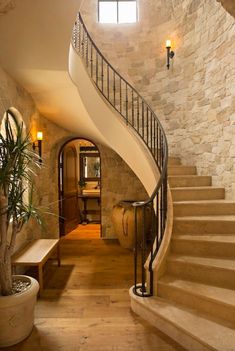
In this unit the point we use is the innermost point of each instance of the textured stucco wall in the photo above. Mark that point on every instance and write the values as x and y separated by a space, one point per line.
195 99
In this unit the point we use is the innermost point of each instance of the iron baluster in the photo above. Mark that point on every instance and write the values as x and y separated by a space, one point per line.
102 74
132 109
91 59
143 288
120 92
126 105
138 114
114 89
96 69
145 122
86 49
135 249
108 80
142 105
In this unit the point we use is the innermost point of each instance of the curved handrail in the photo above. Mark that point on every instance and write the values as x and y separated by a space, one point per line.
136 112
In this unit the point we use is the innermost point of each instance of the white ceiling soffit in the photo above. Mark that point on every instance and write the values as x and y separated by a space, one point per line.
34 46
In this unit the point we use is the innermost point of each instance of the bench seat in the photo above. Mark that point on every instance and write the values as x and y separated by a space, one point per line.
37 253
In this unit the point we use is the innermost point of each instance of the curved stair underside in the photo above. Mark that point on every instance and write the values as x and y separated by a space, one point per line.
195 297
132 129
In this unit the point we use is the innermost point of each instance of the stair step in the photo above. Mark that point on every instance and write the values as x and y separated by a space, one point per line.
215 301
194 331
206 207
204 245
189 181
197 193
174 161
204 225
182 170
208 270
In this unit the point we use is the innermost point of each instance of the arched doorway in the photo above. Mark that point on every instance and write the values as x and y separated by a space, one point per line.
79 184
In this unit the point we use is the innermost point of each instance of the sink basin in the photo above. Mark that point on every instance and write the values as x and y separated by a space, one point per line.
91 191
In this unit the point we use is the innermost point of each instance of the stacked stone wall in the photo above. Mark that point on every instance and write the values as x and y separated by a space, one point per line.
195 99
116 174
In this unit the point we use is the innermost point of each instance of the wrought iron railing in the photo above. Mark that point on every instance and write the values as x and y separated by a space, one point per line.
150 215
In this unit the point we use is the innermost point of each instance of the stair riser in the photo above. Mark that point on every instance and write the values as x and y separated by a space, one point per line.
203 209
205 249
174 161
203 227
199 194
182 170
200 273
175 332
189 299
189 181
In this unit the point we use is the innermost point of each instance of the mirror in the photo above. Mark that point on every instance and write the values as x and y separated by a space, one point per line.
90 166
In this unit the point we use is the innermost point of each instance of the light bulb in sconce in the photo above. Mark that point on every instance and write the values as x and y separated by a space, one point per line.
170 54
39 135
38 145
168 43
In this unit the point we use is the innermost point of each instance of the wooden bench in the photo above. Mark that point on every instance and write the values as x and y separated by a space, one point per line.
37 253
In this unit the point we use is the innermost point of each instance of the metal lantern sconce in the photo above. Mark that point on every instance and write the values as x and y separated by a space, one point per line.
170 53
38 145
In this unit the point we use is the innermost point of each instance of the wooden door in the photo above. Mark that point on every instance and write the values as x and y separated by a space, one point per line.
69 210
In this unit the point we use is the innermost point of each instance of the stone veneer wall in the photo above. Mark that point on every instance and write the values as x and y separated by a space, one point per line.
117 176
195 99
13 95
119 182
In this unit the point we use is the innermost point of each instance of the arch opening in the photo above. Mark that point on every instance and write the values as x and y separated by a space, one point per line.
79 186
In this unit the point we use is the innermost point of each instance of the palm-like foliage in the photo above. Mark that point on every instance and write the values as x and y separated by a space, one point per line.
18 164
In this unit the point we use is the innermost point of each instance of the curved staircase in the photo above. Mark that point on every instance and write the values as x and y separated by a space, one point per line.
195 297
192 297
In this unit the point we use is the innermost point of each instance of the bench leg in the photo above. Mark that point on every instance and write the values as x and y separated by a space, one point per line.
58 254
40 277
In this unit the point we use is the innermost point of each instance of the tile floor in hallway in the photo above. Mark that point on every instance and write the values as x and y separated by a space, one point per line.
86 306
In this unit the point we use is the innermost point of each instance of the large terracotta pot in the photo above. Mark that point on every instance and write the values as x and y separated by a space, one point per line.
123 217
17 314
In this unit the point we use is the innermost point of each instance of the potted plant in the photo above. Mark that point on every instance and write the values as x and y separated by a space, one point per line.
17 169
82 183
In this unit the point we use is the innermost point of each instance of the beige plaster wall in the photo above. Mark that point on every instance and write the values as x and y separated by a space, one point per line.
195 99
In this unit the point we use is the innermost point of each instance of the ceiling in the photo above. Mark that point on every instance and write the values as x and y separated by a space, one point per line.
34 46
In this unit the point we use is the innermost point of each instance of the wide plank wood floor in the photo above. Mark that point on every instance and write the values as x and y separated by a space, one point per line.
86 306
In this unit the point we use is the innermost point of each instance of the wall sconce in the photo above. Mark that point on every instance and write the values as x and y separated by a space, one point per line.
38 145
170 53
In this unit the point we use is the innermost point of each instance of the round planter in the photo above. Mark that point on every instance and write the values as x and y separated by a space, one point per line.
123 218
17 313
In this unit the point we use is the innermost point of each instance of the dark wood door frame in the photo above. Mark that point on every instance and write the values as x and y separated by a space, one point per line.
60 182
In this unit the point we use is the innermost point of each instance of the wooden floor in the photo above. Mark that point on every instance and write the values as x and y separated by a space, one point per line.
85 305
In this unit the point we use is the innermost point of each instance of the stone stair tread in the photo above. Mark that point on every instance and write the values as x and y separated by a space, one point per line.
202 202
215 238
210 333
206 218
222 263
181 167
223 295
209 187
189 176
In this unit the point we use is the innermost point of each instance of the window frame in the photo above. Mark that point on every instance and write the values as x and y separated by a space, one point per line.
117 1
